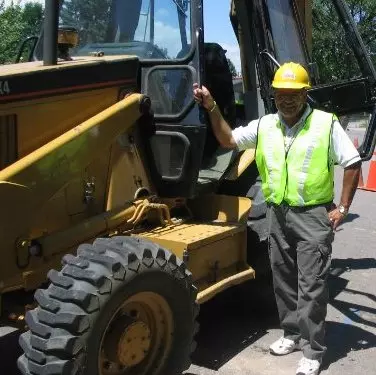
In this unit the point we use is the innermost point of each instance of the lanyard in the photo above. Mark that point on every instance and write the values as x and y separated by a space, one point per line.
308 112
292 139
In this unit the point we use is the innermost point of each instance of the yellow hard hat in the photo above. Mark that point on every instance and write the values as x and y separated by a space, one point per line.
291 76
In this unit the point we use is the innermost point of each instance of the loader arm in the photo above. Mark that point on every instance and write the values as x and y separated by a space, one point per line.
34 179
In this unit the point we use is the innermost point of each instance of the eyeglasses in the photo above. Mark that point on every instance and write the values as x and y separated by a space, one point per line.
283 97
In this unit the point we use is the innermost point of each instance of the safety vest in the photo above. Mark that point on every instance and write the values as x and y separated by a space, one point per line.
302 175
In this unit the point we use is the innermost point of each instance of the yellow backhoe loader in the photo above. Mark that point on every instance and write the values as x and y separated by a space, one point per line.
113 189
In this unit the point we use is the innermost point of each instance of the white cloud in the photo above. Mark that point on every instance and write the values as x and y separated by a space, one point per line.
162 13
233 53
165 36
168 37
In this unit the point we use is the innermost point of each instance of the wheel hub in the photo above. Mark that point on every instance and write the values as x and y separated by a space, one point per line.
134 344
138 337
129 342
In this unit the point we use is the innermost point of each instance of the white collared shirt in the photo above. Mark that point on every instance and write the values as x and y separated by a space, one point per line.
343 151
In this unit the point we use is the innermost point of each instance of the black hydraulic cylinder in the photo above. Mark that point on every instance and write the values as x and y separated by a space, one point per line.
51 26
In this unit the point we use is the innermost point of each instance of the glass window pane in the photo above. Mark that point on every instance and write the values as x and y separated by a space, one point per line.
150 29
356 125
336 61
170 90
285 33
169 154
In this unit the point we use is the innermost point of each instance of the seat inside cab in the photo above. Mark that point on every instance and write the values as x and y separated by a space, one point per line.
218 79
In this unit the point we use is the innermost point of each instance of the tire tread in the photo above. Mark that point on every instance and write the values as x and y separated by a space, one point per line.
54 344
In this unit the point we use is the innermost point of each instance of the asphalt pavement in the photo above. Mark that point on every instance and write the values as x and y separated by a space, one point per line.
237 329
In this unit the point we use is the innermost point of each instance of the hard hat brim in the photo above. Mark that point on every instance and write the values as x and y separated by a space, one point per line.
290 85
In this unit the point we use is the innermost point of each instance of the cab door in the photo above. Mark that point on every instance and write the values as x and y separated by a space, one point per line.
175 150
352 95
186 159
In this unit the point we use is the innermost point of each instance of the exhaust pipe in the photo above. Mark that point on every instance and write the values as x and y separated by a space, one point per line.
51 26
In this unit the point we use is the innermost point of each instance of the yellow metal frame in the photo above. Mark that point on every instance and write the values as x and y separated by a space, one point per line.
213 245
30 182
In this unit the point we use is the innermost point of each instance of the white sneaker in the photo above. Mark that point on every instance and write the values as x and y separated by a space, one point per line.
308 367
283 346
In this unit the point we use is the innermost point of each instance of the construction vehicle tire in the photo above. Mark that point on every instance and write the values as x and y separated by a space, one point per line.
123 305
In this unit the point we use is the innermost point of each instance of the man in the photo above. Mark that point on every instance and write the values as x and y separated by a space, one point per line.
296 150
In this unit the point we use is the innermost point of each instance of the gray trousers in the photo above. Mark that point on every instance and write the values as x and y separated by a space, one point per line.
300 254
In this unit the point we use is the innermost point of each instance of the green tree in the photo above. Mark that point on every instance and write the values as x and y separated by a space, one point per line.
89 17
231 65
32 16
101 21
336 61
16 24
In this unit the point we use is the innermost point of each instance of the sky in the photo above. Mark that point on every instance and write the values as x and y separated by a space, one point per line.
217 25
218 28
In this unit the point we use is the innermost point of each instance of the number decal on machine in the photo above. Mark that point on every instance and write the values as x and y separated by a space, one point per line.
4 88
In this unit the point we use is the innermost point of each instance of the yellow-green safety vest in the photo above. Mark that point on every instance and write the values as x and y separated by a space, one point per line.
302 175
